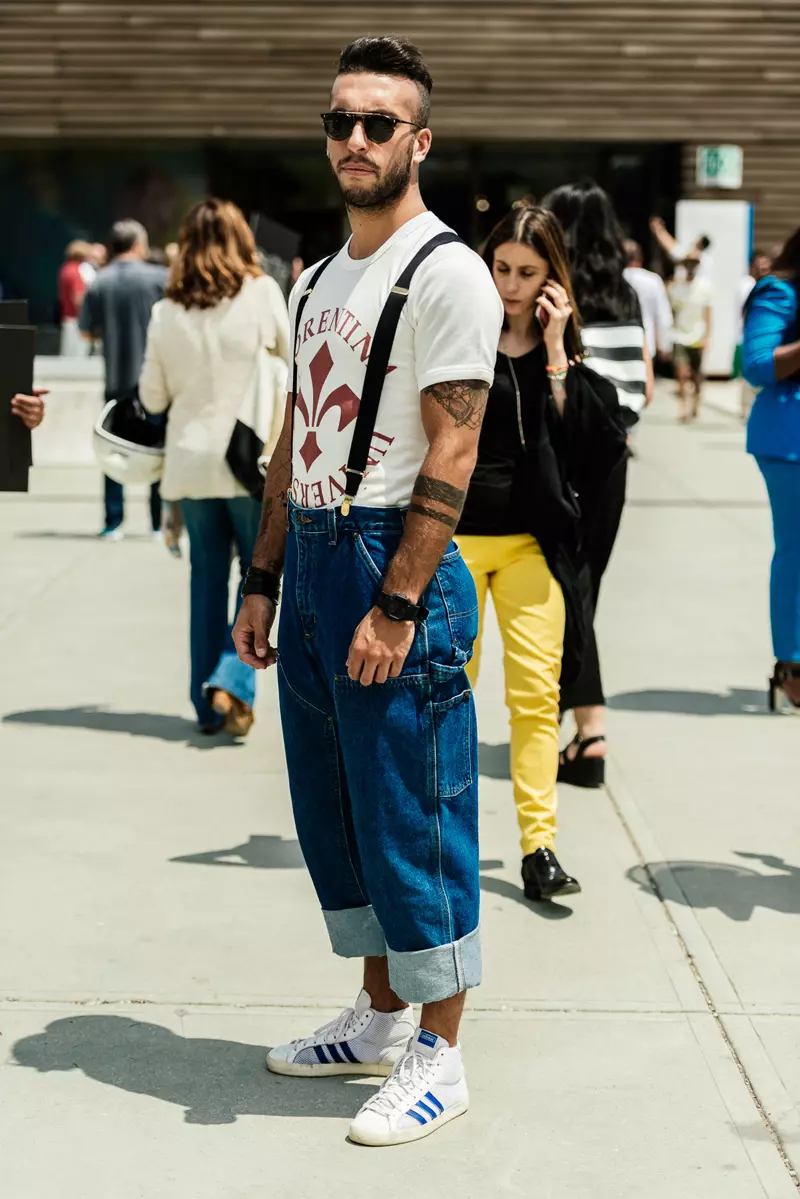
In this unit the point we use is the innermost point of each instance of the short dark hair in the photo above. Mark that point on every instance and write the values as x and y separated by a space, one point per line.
125 234
390 56
704 242
633 251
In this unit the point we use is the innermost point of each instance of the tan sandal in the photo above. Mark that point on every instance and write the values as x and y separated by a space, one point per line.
222 702
240 719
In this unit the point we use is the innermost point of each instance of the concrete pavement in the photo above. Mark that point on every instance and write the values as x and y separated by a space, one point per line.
159 930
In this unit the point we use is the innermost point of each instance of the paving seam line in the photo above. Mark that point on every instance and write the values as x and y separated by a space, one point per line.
628 814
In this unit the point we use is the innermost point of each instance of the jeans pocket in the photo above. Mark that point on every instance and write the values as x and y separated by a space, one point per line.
453 638
454 730
376 552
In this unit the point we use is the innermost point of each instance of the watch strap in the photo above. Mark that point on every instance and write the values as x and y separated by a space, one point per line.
261 582
400 608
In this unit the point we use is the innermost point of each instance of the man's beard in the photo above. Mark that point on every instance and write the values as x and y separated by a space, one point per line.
385 192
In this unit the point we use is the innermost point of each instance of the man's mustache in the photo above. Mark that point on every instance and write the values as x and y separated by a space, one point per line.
357 162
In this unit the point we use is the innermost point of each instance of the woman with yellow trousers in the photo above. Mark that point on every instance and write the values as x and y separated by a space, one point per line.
518 530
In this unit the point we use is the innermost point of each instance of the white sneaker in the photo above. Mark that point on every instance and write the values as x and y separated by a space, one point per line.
426 1090
115 534
360 1041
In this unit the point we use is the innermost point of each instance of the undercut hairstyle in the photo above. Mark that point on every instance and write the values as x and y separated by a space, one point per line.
390 56
125 235
538 228
596 256
216 253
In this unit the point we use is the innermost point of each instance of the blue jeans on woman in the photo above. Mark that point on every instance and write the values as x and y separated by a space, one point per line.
783 487
217 529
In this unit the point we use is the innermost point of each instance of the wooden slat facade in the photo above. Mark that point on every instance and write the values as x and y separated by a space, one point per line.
514 70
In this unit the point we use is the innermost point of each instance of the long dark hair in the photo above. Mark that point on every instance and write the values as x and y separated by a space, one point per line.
216 253
539 229
596 255
788 261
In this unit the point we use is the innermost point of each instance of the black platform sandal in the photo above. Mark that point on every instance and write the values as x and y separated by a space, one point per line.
581 771
784 672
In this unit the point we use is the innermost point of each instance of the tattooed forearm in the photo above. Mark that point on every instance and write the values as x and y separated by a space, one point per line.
451 416
436 489
433 514
464 401
271 541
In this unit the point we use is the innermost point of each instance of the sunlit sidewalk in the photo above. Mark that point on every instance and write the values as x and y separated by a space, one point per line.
159 930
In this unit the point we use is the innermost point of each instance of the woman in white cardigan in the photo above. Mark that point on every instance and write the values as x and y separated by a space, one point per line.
217 344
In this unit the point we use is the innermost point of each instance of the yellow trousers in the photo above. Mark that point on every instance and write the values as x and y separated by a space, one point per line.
530 611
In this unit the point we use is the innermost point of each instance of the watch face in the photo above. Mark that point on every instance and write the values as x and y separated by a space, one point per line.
396 607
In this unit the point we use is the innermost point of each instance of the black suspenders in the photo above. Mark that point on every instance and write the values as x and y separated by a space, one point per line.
380 352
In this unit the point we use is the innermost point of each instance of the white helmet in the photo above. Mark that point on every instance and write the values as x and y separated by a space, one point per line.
122 459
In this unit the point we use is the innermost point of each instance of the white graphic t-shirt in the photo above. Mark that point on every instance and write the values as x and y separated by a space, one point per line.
449 330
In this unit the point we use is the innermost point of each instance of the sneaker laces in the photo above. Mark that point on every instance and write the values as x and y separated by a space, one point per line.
402 1087
335 1030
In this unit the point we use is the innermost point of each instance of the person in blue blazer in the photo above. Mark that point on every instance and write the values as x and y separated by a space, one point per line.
771 363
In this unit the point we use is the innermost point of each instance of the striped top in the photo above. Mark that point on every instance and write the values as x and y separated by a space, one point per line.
616 351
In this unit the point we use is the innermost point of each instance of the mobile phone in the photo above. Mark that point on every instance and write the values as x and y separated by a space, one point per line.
542 316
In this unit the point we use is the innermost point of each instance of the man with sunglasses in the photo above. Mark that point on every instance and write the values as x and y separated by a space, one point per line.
379 611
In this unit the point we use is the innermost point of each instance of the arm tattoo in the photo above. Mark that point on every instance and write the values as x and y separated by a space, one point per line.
436 489
465 400
433 514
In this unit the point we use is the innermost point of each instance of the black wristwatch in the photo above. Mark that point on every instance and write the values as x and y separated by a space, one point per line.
261 582
399 607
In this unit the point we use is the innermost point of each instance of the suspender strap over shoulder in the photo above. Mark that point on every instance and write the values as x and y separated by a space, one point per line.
380 351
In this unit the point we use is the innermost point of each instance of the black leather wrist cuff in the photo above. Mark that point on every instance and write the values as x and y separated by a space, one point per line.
399 608
261 582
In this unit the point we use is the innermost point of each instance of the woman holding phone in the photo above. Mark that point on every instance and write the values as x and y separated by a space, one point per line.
518 530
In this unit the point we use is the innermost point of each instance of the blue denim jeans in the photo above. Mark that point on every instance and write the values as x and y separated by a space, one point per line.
384 779
783 487
217 529
114 496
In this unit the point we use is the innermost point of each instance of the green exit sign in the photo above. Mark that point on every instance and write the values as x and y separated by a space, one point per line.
719 166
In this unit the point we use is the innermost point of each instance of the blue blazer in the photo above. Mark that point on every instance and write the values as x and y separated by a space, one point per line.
773 430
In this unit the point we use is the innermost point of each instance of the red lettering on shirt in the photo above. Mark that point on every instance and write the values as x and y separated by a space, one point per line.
366 342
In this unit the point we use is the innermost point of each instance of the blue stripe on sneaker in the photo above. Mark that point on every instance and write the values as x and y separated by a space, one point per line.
335 1054
416 1115
432 1112
320 1052
348 1053
434 1101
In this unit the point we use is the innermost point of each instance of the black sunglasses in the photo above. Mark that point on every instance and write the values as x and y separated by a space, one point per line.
378 127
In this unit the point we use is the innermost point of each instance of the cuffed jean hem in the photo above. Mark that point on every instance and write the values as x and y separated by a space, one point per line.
355 933
233 676
427 975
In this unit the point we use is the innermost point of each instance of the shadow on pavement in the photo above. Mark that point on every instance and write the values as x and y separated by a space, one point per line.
214 1081
737 701
547 909
735 890
135 724
494 761
259 853
54 535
